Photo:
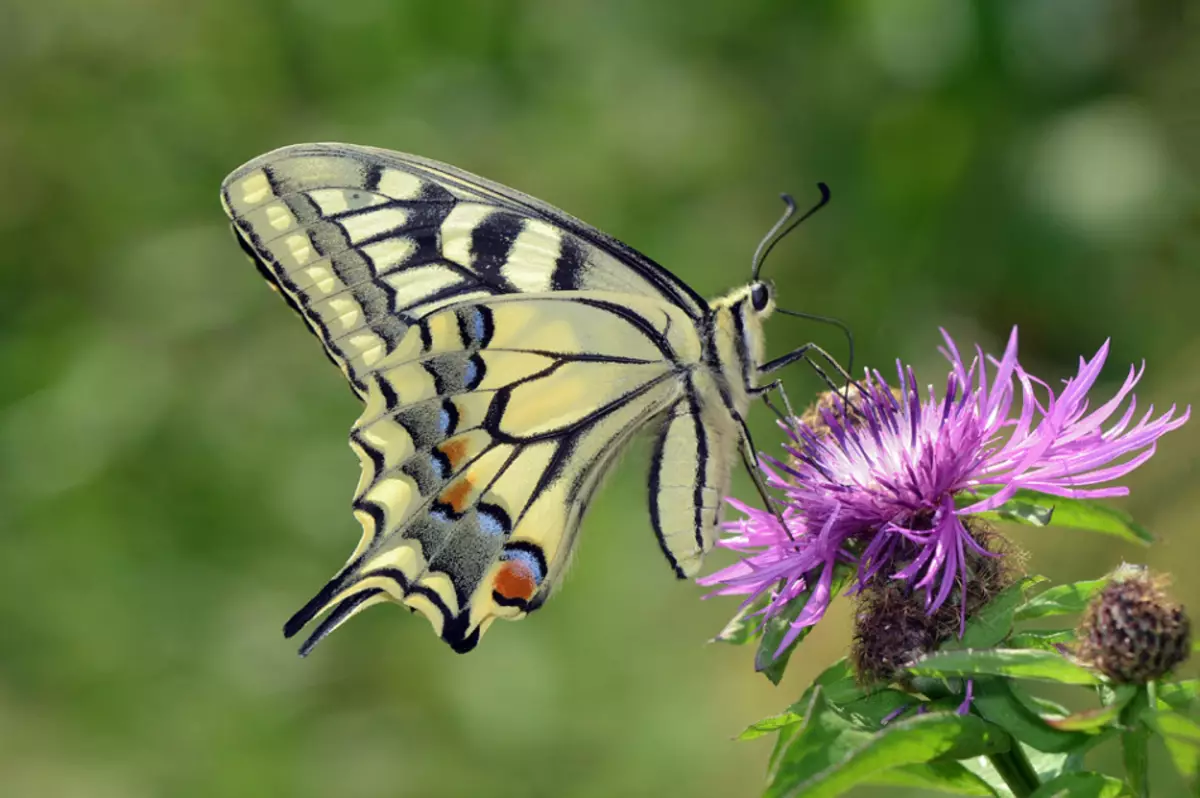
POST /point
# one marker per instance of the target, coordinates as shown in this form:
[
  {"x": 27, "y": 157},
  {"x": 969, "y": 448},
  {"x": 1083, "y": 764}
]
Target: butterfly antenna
[{"x": 784, "y": 226}]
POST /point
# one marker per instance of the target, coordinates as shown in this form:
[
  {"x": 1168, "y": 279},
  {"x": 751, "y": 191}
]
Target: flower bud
[
  {"x": 893, "y": 625},
  {"x": 891, "y": 630},
  {"x": 1131, "y": 631},
  {"x": 987, "y": 575}
]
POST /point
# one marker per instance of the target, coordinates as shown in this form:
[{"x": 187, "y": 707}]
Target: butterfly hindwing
[
  {"x": 483, "y": 437},
  {"x": 689, "y": 473}
]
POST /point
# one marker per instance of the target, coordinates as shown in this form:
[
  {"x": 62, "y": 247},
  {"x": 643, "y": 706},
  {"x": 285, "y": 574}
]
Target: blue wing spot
[
  {"x": 482, "y": 326},
  {"x": 448, "y": 417},
  {"x": 493, "y": 520},
  {"x": 438, "y": 514},
  {"x": 440, "y": 463},
  {"x": 473, "y": 374}
]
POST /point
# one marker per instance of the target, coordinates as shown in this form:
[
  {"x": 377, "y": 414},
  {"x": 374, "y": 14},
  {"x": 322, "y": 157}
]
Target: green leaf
[
  {"x": 767, "y": 725},
  {"x": 1050, "y": 765},
  {"x": 1046, "y": 766},
  {"x": 742, "y": 628},
  {"x": 1185, "y": 757},
  {"x": 822, "y": 737},
  {"x": 1172, "y": 724},
  {"x": 1017, "y": 511},
  {"x": 1082, "y": 785},
  {"x": 1045, "y": 639},
  {"x": 870, "y": 710},
  {"x": 836, "y": 683},
  {"x": 1043, "y": 509},
  {"x": 830, "y": 756},
  {"x": 1037, "y": 704},
  {"x": 1060, "y": 600},
  {"x": 1097, "y": 517},
  {"x": 1094, "y": 720},
  {"x": 941, "y": 775},
  {"x": 982, "y": 767},
  {"x": 769, "y": 660},
  {"x": 1178, "y": 696},
  {"x": 996, "y": 702},
  {"x": 783, "y": 743},
  {"x": 993, "y": 623},
  {"x": 1181, "y": 736},
  {"x": 1019, "y": 663}
]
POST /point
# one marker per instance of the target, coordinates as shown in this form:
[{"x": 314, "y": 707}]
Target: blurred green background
[{"x": 174, "y": 475}]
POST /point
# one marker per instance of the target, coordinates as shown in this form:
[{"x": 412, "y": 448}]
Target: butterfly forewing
[{"x": 361, "y": 241}]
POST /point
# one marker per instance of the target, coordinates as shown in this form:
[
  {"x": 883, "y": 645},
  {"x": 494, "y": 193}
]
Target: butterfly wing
[
  {"x": 362, "y": 241},
  {"x": 505, "y": 352},
  {"x": 690, "y": 472},
  {"x": 484, "y": 435}
]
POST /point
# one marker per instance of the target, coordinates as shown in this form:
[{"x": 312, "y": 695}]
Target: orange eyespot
[
  {"x": 455, "y": 450},
  {"x": 515, "y": 581},
  {"x": 456, "y": 494}
]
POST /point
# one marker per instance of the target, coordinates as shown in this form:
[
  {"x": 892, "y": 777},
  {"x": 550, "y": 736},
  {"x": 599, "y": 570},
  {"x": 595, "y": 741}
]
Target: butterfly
[{"x": 505, "y": 354}]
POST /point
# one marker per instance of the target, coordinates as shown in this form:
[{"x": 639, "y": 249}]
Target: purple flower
[{"x": 878, "y": 490}]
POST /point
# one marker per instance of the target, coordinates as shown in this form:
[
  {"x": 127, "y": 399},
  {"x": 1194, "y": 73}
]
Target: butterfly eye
[{"x": 760, "y": 295}]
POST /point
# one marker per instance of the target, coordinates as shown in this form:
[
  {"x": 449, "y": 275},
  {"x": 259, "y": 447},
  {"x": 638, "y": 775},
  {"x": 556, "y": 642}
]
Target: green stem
[
  {"x": 1135, "y": 743},
  {"x": 1014, "y": 767}
]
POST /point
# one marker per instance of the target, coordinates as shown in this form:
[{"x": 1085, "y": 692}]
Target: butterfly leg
[
  {"x": 802, "y": 354},
  {"x": 765, "y": 392},
  {"x": 749, "y": 454}
]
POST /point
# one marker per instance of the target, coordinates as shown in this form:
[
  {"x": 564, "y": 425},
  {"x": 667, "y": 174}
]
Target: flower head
[{"x": 887, "y": 487}]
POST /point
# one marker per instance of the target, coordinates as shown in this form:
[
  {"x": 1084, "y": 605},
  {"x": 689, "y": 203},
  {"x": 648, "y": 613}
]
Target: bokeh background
[{"x": 174, "y": 476}]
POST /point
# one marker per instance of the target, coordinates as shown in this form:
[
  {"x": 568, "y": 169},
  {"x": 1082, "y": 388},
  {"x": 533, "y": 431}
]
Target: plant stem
[
  {"x": 1135, "y": 743},
  {"x": 1014, "y": 767}
]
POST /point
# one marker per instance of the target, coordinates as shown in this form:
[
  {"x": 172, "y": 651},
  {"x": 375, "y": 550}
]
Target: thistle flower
[
  {"x": 1132, "y": 632},
  {"x": 882, "y": 488}
]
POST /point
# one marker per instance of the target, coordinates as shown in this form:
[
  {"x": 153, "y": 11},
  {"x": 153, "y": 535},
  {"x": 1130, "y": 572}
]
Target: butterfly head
[
  {"x": 737, "y": 333},
  {"x": 752, "y": 303}
]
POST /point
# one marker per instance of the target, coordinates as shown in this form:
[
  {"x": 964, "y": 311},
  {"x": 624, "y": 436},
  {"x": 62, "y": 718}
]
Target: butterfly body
[{"x": 505, "y": 354}]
